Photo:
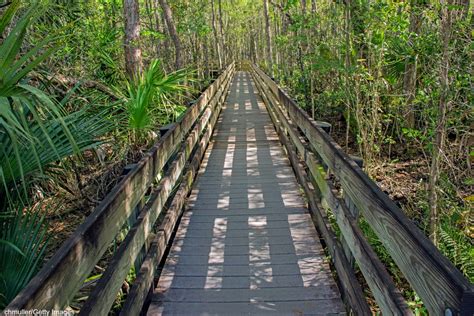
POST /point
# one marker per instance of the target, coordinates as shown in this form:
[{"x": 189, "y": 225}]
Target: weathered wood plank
[
  {"x": 350, "y": 286},
  {"x": 244, "y": 282},
  {"x": 312, "y": 307},
  {"x": 387, "y": 295},
  {"x": 62, "y": 276},
  {"x": 144, "y": 281},
  {"x": 142, "y": 284},
  {"x": 440, "y": 285},
  {"x": 244, "y": 295},
  {"x": 296, "y": 247},
  {"x": 261, "y": 270}
]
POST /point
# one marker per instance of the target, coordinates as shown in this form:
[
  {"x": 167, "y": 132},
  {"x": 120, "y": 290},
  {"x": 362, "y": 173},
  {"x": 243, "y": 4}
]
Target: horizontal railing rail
[
  {"x": 315, "y": 157},
  {"x": 181, "y": 148}
]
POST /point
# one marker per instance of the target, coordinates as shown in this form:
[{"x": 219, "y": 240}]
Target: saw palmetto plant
[
  {"x": 35, "y": 131},
  {"x": 147, "y": 102}
]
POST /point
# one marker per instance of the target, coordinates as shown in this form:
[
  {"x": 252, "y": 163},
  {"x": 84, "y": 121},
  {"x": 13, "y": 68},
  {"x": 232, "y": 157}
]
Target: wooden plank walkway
[{"x": 246, "y": 243}]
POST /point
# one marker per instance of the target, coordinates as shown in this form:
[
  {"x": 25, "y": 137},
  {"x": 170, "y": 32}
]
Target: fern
[{"x": 458, "y": 248}]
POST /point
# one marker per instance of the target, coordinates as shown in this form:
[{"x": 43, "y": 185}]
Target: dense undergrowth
[{"x": 357, "y": 81}]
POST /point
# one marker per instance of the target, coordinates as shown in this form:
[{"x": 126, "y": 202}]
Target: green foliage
[
  {"x": 148, "y": 99},
  {"x": 456, "y": 222},
  {"x": 458, "y": 248},
  {"x": 34, "y": 129},
  {"x": 23, "y": 239}
]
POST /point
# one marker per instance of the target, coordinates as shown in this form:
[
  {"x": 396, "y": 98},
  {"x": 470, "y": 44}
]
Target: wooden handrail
[
  {"x": 61, "y": 277},
  {"x": 440, "y": 285},
  {"x": 101, "y": 299},
  {"x": 351, "y": 290},
  {"x": 377, "y": 276},
  {"x": 140, "y": 288}
]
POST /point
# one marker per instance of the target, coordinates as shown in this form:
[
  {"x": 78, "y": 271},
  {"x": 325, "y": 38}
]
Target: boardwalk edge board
[{"x": 439, "y": 284}]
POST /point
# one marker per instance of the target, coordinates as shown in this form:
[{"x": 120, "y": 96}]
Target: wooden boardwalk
[{"x": 246, "y": 243}]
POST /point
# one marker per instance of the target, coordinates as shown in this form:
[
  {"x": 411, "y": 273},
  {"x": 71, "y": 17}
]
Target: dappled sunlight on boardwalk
[{"x": 246, "y": 243}]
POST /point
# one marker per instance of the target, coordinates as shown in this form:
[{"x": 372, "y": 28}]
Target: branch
[
  {"x": 5, "y": 5},
  {"x": 69, "y": 81}
]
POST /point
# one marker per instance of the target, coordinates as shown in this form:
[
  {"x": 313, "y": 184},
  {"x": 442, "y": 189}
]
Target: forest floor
[
  {"x": 75, "y": 201},
  {"x": 402, "y": 176}
]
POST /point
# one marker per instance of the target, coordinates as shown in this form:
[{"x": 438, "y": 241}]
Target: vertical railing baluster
[{"x": 354, "y": 212}]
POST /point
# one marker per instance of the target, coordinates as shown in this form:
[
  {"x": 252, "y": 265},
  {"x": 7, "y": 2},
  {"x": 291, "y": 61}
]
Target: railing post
[
  {"x": 354, "y": 212},
  {"x": 133, "y": 218},
  {"x": 325, "y": 126},
  {"x": 166, "y": 128}
]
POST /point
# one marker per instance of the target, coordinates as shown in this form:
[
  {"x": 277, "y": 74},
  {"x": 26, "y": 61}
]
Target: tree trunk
[
  {"x": 409, "y": 78},
  {"x": 313, "y": 6},
  {"x": 152, "y": 27},
  {"x": 133, "y": 52},
  {"x": 268, "y": 35},
  {"x": 303, "y": 7},
  {"x": 221, "y": 34},
  {"x": 440, "y": 131},
  {"x": 276, "y": 32},
  {"x": 173, "y": 33},
  {"x": 206, "y": 58},
  {"x": 216, "y": 37},
  {"x": 347, "y": 15},
  {"x": 154, "y": 8}
]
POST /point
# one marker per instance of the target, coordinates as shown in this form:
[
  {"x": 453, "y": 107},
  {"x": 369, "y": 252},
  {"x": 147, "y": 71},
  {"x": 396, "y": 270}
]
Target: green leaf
[{"x": 8, "y": 15}]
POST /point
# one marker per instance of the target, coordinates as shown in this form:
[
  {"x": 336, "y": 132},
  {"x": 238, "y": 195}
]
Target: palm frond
[
  {"x": 149, "y": 92},
  {"x": 34, "y": 129},
  {"x": 20, "y": 159},
  {"x": 22, "y": 244},
  {"x": 8, "y": 15}
]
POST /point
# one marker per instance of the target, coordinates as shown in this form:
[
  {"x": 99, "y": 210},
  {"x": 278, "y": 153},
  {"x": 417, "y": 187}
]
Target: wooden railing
[
  {"x": 316, "y": 158},
  {"x": 139, "y": 198}
]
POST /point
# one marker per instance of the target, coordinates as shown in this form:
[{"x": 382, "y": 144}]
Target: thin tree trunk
[
  {"x": 347, "y": 14},
  {"x": 277, "y": 50},
  {"x": 216, "y": 36},
  {"x": 166, "y": 42},
  {"x": 133, "y": 52},
  {"x": 303, "y": 7},
  {"x": 173, "y": 33},
  {"x": 268, "y": 34},
  {"x": 438, "y": 144},
  {"x": 409, "y": 78},
  {"x": 152, "y": 27},
  {"x": 206, "y": 58},
  {"x": 255, "y": 44},
  {"x": 221, "y": 33},
  {"x": 154, "y": 8},
  {"x": 313, "y": 6}
]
